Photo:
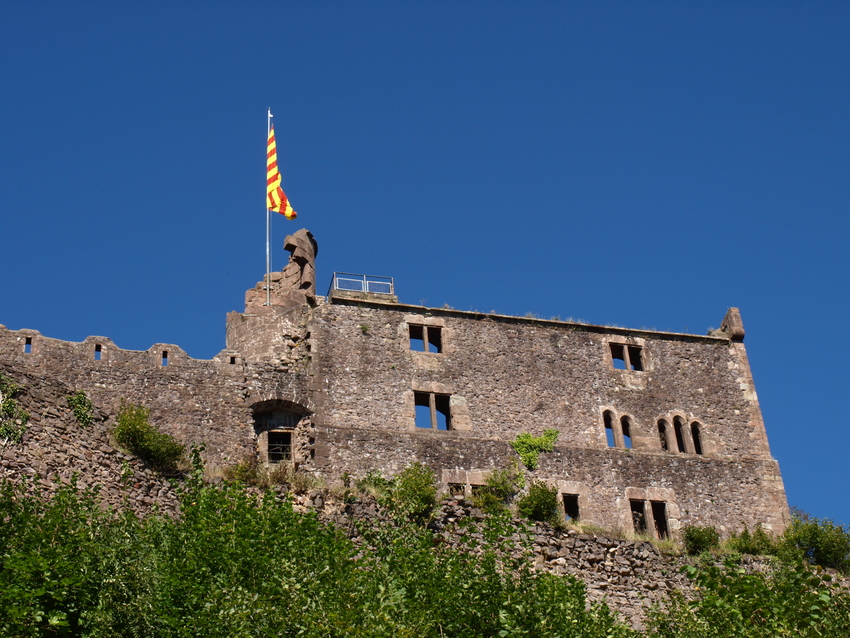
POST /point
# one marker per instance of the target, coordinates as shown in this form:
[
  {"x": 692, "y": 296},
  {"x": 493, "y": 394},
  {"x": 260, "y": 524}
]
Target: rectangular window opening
[
  {"x": 659, "y": 514},
  {"x": 279, "y": 446},
  {"x": 618, "y": 356},
  {"x": 635, "y": 360},
  {"x": 443, "y": 408},
  {"x": 417, "y": 338},
  {"x": 232, "y": 360},
  {"x": 456, "y": 489},
  {"x": 422, "y": 401},
  {"x": 571, "y": 506},
  {"x": 97, "y": 352},
  {"x": 638, "y": 516},
  {"x": 435, "y": 340},
  {"x": 165, "y": 357},
  {"x": 28, "y": 345}
]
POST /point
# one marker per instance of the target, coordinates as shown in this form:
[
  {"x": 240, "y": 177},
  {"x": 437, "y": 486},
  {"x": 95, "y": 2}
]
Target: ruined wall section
[
  {"x": 56, "y": 449},
  {"x": 197, "y": 401},
  {"x": 510, "y": 375}
]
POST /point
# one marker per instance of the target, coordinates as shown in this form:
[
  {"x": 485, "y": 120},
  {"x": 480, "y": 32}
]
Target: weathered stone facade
[{"x": 651, "y": 425}]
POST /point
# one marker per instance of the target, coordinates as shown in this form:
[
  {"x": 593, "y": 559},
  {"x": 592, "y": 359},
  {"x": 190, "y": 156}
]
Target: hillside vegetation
[{"x": 236, "y": 563}]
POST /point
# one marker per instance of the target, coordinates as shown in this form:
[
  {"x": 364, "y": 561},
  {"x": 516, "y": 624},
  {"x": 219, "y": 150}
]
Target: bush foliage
[
  {"x": 82, "y": 408},
  {"x": 135, "y": 433},
  {"x": 540, "y": 503},
  {"x": 699, "y": 539},
  {"x": 13, "y": 418},
  {"x": 529, "y": 446}
]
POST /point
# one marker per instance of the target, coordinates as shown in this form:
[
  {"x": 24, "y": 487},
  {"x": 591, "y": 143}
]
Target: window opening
[
  {"x": 97, "y": 352},
  {"x": 571, "y": 506},
  {"x": 695, "y": 433},
  {"x": 456, "y": 489},
  {"x": 425, "y": 338},
  {"x": 165, "y": 357},
  {"x": 662, "y": 434},
  {"x": 680, "y": 439},
  {"x": 232, "y": 360},
  {"x": 659, "y": 515},
  {"x": 279, "y": 446},
  {"x": 627, "y": 432},
  {"x": 625, "y": 357},
  {"x": 638, "y": 516},
  {"x": 609, "y": 428},
  {"x": 618, "y": 356},
  {"x": 433, "y": 411},
  {"x": 28, "y": 345},
  {"x": 635, "y": 358}
]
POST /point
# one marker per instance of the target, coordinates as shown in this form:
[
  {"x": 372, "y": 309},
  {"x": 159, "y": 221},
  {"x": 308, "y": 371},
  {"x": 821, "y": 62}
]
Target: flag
[{"x": 275, "y": 197}]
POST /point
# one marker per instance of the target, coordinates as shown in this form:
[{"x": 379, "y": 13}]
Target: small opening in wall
[
  {"x": 571, "y": 506},
  {"x": 28, "y": 345},
  {"x": 417, "y": 338},
  {"x": 638, "y": 516},
  {"x": 659, "y": 515},
  {"x": 279, "y": 446},
  {"x": 695, "y": 434},
  {"x": 625, "y": 424},
  {"x": 232, "y": 360},
  {"x": 422, "y": 400},
  {"x": 618, "y": 356},
  {"x": 97, "y": 352},
  {"x": 662, "y": 434},
  {"x": 635, "y": 358},
  {"x": 435, "y": 339},
  {"x": 442, "y": 405},
  {"x": 680, "y": 437},
  {"x": 476, "y": 490},
  {"x": 609, "y": 428},
  {"x": 165, "y": 357},
  {"x": 456, "y": 489}
]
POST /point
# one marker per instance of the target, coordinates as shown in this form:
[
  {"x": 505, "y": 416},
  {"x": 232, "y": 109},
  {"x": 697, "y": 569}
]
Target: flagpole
[{"x": 268, "y": 228}]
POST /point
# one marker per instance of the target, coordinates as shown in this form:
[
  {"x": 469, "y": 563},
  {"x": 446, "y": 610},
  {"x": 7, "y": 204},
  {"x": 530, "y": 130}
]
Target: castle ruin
[{"x": 656, "y": 430}]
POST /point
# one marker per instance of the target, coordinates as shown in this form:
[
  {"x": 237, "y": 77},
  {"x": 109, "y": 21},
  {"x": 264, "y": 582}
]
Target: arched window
[
  {"x": 662, "y": 434},
  {"x": 625, "y": 426},
  {"x": 608, "y": 417},
  {"x": 680, "y": 435},
  {"x": 695, "y": 434}
]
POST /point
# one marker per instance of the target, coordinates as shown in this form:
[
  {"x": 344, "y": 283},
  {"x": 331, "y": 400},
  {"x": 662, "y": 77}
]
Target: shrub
[
  {"x": 414, "y": 492},
  {"x": 821, "y": 541},
  {"x": 499, "y": 488},
  {"x": 134, "y": 432},
  {"x": 699, "y": 539},
  {"x": 540, "y": 503},
  {"x": 82, "y": 407},
  {"x": 13, "y": 419},
  {"x": 529, "y": 447},
  {"x": 758, "y": 542}
]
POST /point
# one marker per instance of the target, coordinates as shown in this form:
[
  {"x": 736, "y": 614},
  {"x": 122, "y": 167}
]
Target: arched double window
[{"x": 618, "y": 432}]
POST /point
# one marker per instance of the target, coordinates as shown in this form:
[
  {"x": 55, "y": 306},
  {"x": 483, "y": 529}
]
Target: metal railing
[{"x": 350, "y": 282}]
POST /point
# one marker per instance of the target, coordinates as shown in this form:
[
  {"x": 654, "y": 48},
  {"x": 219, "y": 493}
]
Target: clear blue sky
[{"x": 639, "y": 164}]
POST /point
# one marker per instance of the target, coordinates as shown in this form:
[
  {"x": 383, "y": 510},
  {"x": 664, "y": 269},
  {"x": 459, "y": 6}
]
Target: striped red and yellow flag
[{"x": 275, "y": 197}]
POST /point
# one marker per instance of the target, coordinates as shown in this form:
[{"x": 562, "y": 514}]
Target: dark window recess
[
  {"x": 571, "y": 506},
  {"x": 609, "y": 428},
  {"x": 456, "y": 489},
  {"x": 680, "y": 436},
  {"x": 97, "y": 352},
  {"x": 476, "y": 490},
  {"x": 28, "y": 345},
  {"x": 659, "y": 515},
  {"x": 279, "y": 446},
  {"x": 425, "y": 338},
  {"x": 626, "y": 357},
  {"x": 433, "y": 411},
  {"x": 232, "y": 360},
  {"x": 662, "y": 435},
  {"x": 627, "y": 431},
  {"x": 165, "y": 357},
  {"x": 638, "y": 516},
  {"x": 695, "y": 434}
]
